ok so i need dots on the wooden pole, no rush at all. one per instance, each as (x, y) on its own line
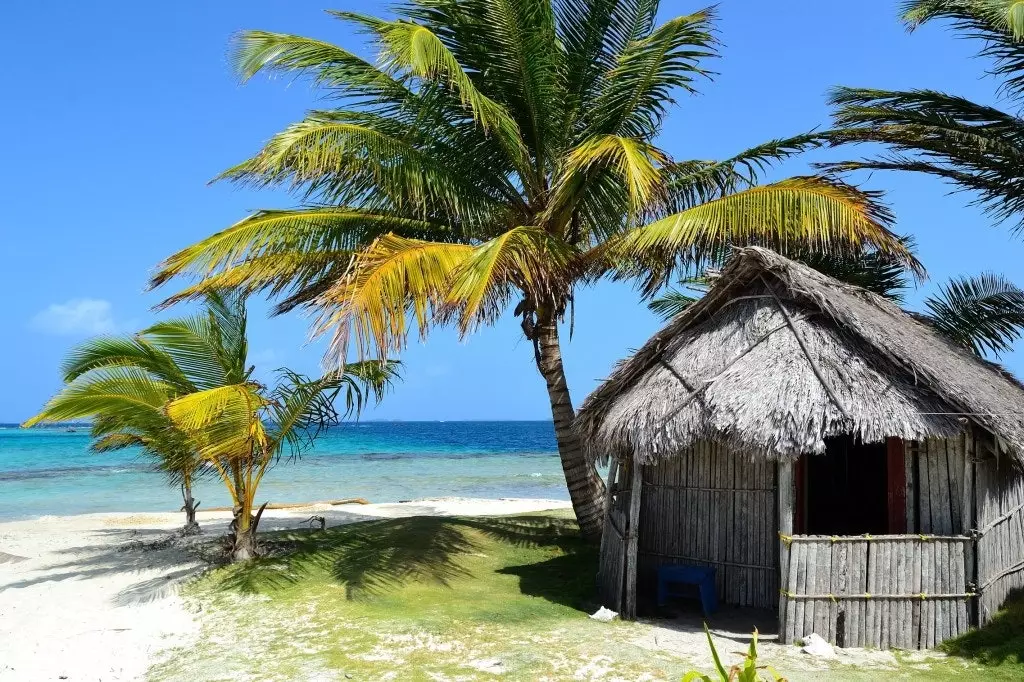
(785, 524)
(636, 487)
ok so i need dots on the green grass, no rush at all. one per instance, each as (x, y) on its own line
(421, 598)
(994, 652)
(430, 598)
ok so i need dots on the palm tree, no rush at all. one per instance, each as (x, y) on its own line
(498, 155)
(243, 429)
(122, 384)
(239, 426)
(977, 148)
(183, 390)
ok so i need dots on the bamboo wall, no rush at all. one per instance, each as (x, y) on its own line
(1000, 522)
(888, 591)
(939, 486)
(715, 508)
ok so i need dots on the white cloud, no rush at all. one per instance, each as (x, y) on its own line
(77, 316)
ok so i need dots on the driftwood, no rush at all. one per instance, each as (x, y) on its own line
(301, 505)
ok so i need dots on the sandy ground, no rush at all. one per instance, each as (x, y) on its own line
(93, 596)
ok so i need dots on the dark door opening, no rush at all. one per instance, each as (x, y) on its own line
(846, 490)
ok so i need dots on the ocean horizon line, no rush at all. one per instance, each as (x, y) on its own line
(57, 425)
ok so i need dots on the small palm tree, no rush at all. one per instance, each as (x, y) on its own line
(122, 385)
(241, 427)
(183, 390)
(498, 155)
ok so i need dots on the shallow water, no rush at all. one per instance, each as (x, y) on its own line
(52, 470)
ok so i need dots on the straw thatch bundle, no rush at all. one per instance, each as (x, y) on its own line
(777, 357)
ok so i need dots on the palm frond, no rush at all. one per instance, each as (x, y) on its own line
(998, 24)
(524, 259)
(689, 183)
(638, 89)
(409, 48)
(595, 33)
(636, 164)
(225, 421)
(984, 314)
(872, 270)
(347, 157)
(671, 303)
(810, 213)
(978, 148)
(328, 65)
(116, 351)
(391, 279)
(118, 391)
(317, 229)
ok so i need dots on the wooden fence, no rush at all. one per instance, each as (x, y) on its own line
(1000, 519)
(884, 591)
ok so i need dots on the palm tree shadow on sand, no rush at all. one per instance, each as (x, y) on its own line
(376, 557)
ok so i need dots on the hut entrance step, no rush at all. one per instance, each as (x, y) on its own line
(672, 576)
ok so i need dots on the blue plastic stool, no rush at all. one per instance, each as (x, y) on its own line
(701, 576)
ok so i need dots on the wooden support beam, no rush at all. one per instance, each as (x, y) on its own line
(785, 524)
(636, 489)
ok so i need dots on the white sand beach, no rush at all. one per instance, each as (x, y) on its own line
(93, 597)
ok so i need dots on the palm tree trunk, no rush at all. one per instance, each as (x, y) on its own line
(190, 506)
(243, 540)
(586, 489)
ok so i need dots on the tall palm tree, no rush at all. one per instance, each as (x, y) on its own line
(498, 155)
(122, 384)
(977, 148)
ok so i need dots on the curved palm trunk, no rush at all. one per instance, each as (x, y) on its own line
(586, 489)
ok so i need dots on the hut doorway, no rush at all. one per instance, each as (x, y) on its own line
(848, 490)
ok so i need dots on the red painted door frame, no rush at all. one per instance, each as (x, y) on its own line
(897, 482)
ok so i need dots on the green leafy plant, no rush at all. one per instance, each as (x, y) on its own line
(746, 671)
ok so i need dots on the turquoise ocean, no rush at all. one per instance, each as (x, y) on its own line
(52, 471)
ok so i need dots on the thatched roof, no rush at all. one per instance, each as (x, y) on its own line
(840, 360)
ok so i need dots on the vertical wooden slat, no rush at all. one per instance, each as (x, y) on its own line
(871, 624)
(916, 614)
(884, 586)
(954, 470)
(924, 488)
(636, 490)
(823, 621)
(902, 638)
(784, 495)
(910, 476)
(927, 585)
(800, 605)
(897, 485)
(841, 586)
(855, 607)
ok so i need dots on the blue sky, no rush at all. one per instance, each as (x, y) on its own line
(116, 115)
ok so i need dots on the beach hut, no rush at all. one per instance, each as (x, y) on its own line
(830, 455)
